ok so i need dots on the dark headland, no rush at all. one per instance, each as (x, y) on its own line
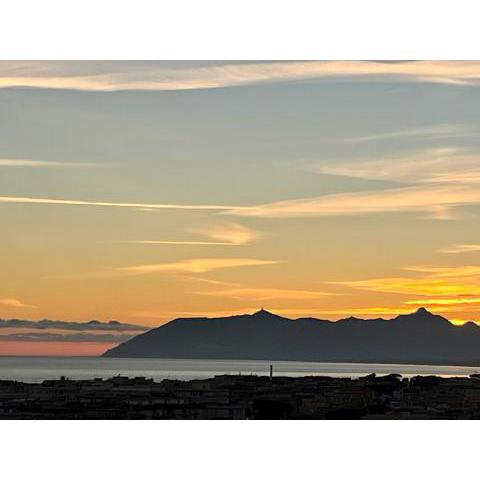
(417, 338)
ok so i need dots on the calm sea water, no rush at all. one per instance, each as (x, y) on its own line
(36, 369)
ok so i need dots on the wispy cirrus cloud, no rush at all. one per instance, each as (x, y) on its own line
(195, 265)
(14, 303)
(433, 181)
(443, 282)
(112, 76)
(412, 286)
(445, 301)
(229, 234)
(259, 293)
(436, 165)
(182, 242)
(442, 272)
(150, 206)
(10, 162)
(427, 131)
(462, 248)
(437, 201)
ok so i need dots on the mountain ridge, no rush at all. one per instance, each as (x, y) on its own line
(418, 337)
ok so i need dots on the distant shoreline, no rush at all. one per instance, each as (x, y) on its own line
(471, 364)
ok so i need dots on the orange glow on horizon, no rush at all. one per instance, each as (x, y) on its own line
(53, 349)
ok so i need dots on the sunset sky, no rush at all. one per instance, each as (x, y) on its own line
(145, 191)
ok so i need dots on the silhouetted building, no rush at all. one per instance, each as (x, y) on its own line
(244, 397)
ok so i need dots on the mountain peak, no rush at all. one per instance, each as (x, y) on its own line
(423, 311)
(263, 313)
(423, 316)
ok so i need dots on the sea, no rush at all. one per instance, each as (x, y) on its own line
(37, 369)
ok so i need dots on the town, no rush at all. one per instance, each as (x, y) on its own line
(244, 397)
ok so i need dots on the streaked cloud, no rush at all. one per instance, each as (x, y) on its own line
(447, 272)
(444, 282)
(71, 337)
(462, 248)
(111, 76)
(265, 293)
(437, 165)
(195, 265)
(8, 162)
(413, 286)
(434, 182)
(410, 286)
(15, 330)
(438, 201)
(448, 178)
(428, 131)
(14, 303)
(230, 234)
(210, 281)
(92, 325)
(445, 301)
(180, 242)
(150, 206)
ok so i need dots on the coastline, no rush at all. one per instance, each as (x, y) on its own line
(242, 397)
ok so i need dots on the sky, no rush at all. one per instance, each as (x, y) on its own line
(145, 191)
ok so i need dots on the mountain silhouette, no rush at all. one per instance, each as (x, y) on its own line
(419, 337)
